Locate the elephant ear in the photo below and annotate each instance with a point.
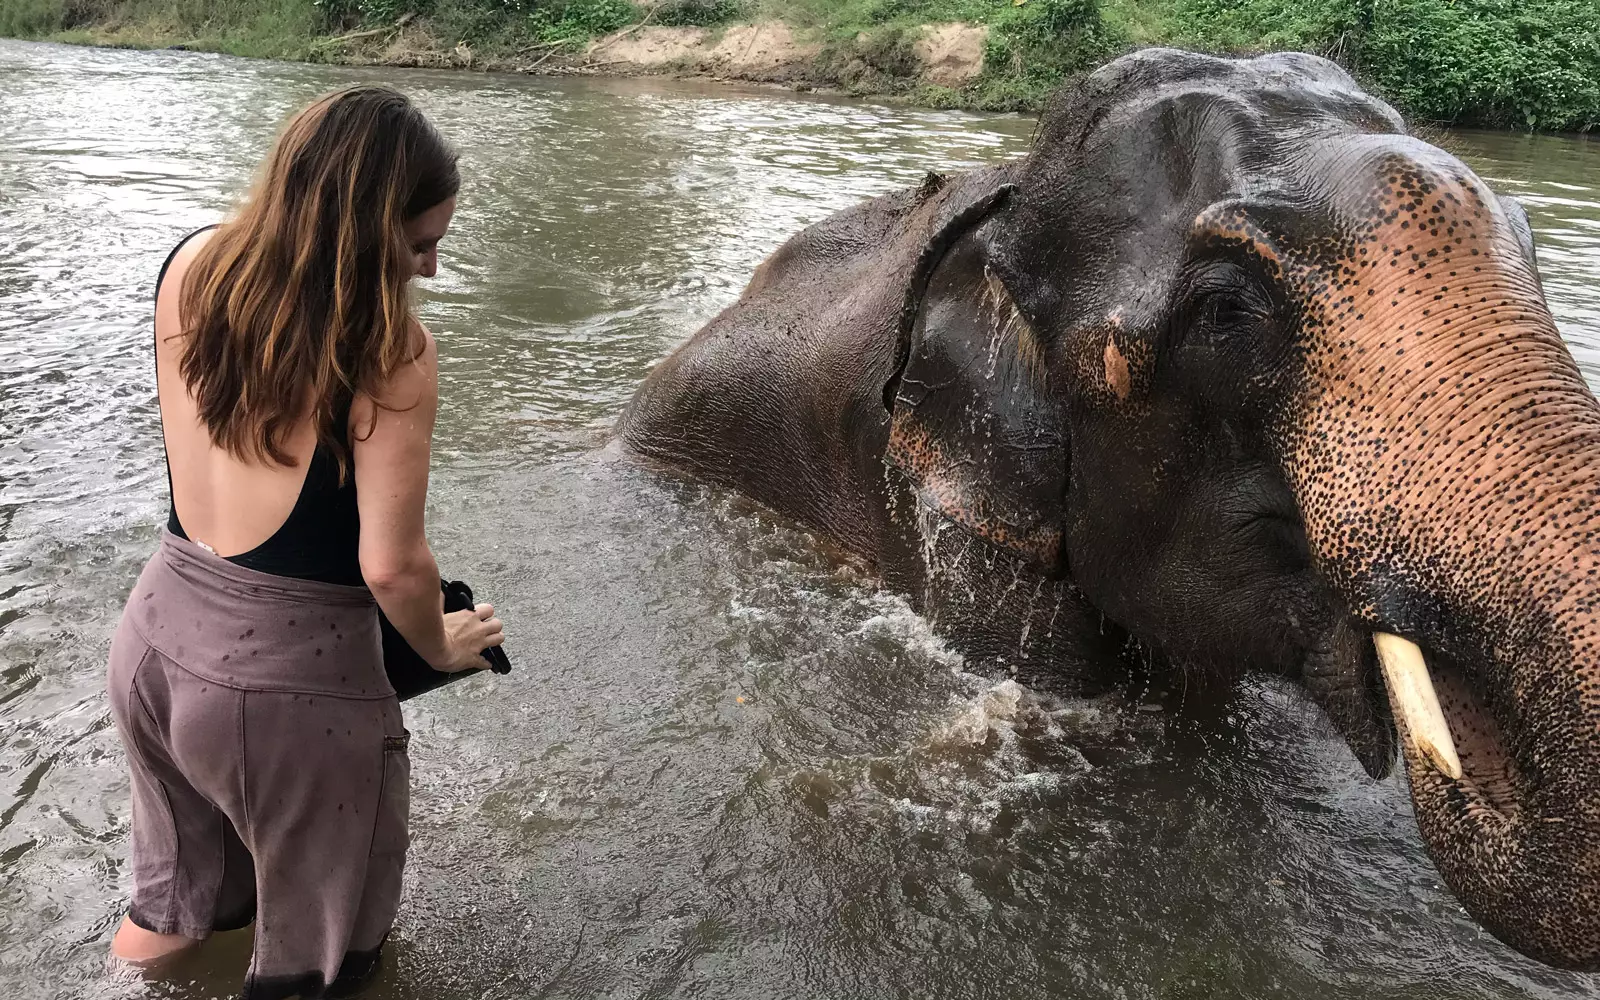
(974, 425)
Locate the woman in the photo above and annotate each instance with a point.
(297, 394)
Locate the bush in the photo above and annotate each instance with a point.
(891, 51)
(511, 24)
(880, 61)
(1045, 42)
(1265, 25)
(268, 28)
(374, 11)
(470, 21)
(36, 18)
(561, 19)
(699, 13)
(1526, 63)
(32, 18)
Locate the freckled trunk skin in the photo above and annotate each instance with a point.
(1445, 453)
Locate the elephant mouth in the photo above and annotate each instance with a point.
(1384, 693)
(1445, 727)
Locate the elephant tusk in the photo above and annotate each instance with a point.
(1405, 673)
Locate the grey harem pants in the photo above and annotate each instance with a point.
(269, 766)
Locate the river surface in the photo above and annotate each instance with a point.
(725, 766)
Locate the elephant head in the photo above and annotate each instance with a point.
(1272, 382)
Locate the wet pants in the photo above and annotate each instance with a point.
(270, 775)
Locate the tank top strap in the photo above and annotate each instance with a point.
(167, 264)
(172, 508)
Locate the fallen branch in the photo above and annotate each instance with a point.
(540, 61)
(356, 36)
(588, 60)
(545, 45)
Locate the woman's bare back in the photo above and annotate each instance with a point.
(227, 505)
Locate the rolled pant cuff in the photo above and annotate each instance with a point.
(168, 927)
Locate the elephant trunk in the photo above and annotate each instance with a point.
(1446, 458)
(1517, 835)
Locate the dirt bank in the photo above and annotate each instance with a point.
(951, 55)
(946, 55)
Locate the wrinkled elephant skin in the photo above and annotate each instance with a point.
(1232, 362)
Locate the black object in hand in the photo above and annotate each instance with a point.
(409, 673)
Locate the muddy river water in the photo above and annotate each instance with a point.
(725, 766)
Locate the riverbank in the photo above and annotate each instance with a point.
(1525, 64)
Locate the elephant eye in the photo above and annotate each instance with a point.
(1222, 303)
(1226, 311)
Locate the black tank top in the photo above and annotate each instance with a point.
(320, 540)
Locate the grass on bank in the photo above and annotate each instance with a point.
(269, 29)
(1512, 63)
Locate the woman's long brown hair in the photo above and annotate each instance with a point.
(300, 300)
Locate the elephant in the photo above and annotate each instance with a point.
(1233, 367)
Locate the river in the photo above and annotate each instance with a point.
(725, 765)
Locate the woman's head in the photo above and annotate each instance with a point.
(302, 296)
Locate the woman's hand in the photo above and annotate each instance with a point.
(466, 635)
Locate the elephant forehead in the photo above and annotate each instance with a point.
(1396, 176)
(1425, 271)
(1410, 242)
(1441, 411)
(1325, 196)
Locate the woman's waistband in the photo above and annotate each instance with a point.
(207, 568)
(242, 628)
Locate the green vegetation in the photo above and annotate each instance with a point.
(272, 29)
(1031, 48)
(1512, 63)
(1518, 63)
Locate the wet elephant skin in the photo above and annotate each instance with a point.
(1234, 363)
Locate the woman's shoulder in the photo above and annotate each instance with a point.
(411, 382)
(424, 355)
(188, 248)
(169, 285)
(423, 345)
(183, 255)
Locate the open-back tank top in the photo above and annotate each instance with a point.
(320, 539)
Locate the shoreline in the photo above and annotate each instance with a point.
(1011, 59)
(765, 54)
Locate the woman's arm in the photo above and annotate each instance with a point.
(391, 441)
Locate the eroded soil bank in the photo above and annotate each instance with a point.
(932, 64)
